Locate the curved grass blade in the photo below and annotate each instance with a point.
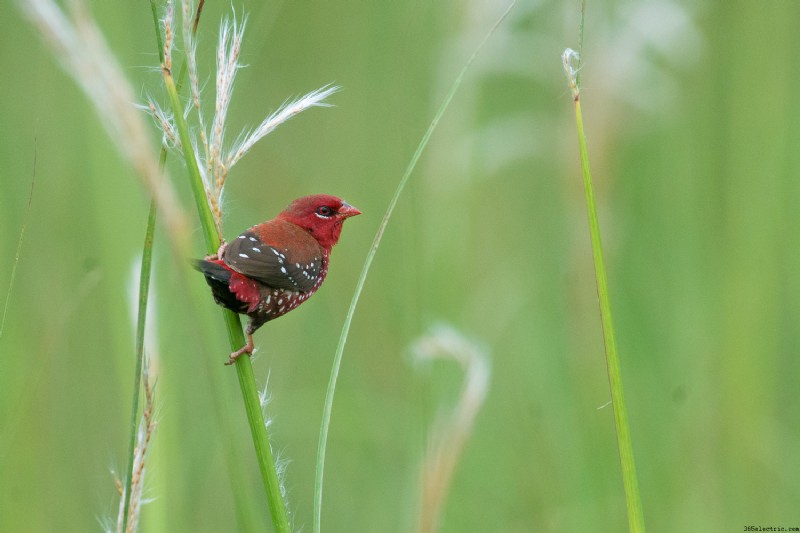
(337, 360)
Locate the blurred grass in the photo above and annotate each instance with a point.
(693, 143)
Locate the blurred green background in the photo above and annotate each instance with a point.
(689, 114)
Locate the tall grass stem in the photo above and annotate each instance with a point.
(144, 291)
(337, 360)
(244, 366)
(624, 443)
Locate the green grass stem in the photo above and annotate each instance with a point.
(624, 443)
(337, 360)
(244, 366)
(144, 291)
(212, 238)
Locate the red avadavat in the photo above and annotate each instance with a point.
(275, 266)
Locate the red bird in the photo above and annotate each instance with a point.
(275, 266)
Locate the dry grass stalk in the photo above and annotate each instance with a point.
(450, 433)
(85, 56)
(214, 158)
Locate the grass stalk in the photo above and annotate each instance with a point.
(337, 360)
(624, 443)
(144, 291)
(212, 238)
(244, 366)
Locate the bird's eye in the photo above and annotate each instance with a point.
(324, 211)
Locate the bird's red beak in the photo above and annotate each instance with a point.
(347, 210)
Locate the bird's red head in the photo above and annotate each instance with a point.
(321, 215)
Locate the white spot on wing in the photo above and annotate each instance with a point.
(245, 256)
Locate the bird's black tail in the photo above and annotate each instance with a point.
(218, 278)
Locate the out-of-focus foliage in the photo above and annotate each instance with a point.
(692, 128)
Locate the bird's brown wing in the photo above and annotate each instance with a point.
(279, 267)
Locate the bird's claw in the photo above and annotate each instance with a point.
(246, 349)
(218, 255)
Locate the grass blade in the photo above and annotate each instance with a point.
(144, 292)
(624, 443)
(244, 366)
(337, 360)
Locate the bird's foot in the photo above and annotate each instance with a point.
(220, 251)
(246, 349)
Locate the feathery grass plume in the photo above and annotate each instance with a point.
(130, 507)
(214, 159)
(165, 122)
(450, 433)
(190, 46)
(85, 56)
(131, 490)
(140, 298)
(265, 398)
(568, 59)
(147, 427)
(286, 111)
(281, 464)
(228, 49)
(169, 35)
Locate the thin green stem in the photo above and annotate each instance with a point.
(244, 366)
(337, 360)
(258, 427)
(159, 40)
(624, 442)
(212, 238)
(144, 291)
